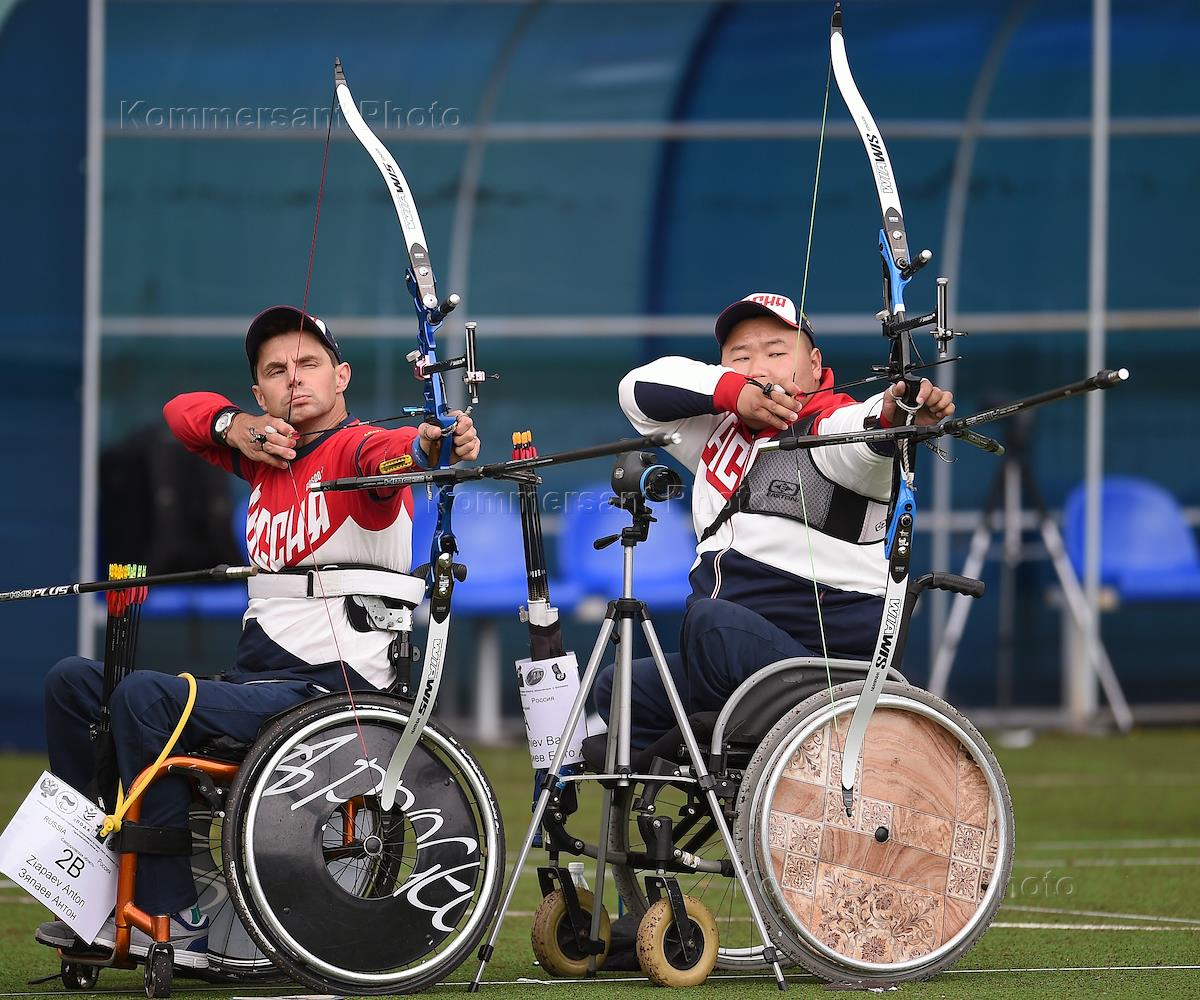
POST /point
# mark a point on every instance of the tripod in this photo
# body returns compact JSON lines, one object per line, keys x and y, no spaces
{"x":1014,"y":484}
{"x":620,"y":617}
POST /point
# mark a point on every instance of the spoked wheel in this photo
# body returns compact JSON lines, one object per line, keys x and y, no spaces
{"x":232,"y":953}
{"x":675,"y":956}
{"x":555,"y":943}
{"x":903,"y":887}
{"x":697,"y":833}
{"x":341,"y":894}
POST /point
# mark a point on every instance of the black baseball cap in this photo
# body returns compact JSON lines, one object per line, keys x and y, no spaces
{"x":285,"y":319}
{"x":762,"y":304}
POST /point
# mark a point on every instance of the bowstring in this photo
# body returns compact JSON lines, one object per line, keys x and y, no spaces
{"x":312,"y":251}
{"x":812,"y":562}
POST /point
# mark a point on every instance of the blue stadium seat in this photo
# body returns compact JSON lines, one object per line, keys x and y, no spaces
{"x":487,"y":525}
{"x":204,"y":600}
{"x":1148,"y":551}
{"x":661,"y":563}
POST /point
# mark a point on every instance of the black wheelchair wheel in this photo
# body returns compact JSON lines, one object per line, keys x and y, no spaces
{"x":232,"y":952}
{"x":79,"y":975}
{"x":345,"y":896}
{"x":903,"y":887}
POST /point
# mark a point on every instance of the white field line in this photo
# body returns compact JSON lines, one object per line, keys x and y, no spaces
{"x":1110,"y":845}
{"x":1105,"y":862}
{"x":1027,"y":926}
{"x":1008,"y":908}
{"x":1011,"y":925}
{"x":1079,"y":968}
{"x":530,"y":981}
{"x":575,"y":984}
{"x":1101,"y":780}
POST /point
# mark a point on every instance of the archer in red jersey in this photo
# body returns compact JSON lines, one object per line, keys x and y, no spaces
{"x":293,"y":646}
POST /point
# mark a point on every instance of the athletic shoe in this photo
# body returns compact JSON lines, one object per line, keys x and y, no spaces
{"x":57,"y":934}
{"x":189,"y":938}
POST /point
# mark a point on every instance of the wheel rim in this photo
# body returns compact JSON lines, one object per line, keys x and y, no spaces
{"x":673,"y":946}
{"x":568,"y":943}
{"x":859,"y":913}
{"x":380,"y":918}
{"x":230,"y":947}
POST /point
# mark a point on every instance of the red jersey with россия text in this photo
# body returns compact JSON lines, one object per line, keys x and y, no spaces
{"x":289,"y":526}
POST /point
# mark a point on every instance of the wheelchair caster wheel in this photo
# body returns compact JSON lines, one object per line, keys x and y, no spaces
{"x":660,"y":948}
{"x":159,"y":961}
{"x":79,"y":975}
{"x":555,"y":944}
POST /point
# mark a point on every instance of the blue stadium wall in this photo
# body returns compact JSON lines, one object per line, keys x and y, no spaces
{"x":208,"y":226}
{"x":43,"y":68}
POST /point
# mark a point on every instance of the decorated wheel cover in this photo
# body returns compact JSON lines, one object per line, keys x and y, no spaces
{"x":899,"y":879}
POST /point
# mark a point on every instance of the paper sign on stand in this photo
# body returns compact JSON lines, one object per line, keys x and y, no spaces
{"x":50,"y":850}
{"x":548,"y":689}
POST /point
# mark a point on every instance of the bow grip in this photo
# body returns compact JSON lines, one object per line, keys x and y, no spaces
{"x":446,"y":452}
{"x":952,"y":582}
{"x":912,"y":387}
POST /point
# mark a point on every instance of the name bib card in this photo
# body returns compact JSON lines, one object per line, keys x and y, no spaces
{"x":50,"y":850}
{"x":548,"y":689}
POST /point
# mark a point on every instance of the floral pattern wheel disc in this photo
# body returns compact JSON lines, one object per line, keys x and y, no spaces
{"x":900,"y":877}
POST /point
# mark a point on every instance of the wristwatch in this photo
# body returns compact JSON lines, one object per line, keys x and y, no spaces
{"x":222,"y":424}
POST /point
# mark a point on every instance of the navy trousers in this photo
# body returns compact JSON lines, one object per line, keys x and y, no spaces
{"x":145,"y":708}
{"x":721,"y":644}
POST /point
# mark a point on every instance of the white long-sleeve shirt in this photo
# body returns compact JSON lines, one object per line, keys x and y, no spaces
{"x":765,"y":561}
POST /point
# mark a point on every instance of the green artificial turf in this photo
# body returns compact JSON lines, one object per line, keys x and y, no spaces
{"x":1108,"y":830}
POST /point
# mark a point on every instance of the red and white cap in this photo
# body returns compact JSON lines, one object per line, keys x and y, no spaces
{"x":762,"y":304}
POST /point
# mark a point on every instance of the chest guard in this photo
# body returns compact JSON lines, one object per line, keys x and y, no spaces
{"x":770,"y":487}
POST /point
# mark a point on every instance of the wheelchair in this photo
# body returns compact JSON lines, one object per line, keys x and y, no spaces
{"x":301,"y":872}
{"x":896,"y":892}
{"x":730,"y":839}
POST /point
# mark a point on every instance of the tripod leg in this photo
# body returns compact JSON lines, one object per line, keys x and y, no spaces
{"x":1086,"y":622}
{"x":705,"y":782}
{"x":585,"y":688}
{"x":956,"y":623}
{"x":616,"y":756}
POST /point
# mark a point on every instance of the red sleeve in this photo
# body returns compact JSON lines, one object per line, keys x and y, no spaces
{"x":729,"y":387}
{"x":190,"y":417}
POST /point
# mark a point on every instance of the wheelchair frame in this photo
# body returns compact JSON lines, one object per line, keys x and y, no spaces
{"x":128,"y":915}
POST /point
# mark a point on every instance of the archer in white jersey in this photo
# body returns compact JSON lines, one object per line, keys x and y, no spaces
{"x":780,"y":536}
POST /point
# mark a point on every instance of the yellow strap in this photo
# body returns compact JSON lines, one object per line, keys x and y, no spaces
{"x":112,"y":823}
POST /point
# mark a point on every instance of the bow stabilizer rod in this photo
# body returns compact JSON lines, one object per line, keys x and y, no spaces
{"x":956,"y":426}
{"x":496,"y":470}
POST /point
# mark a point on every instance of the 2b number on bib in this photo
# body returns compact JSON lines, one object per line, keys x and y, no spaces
{"x":71,"y":863}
